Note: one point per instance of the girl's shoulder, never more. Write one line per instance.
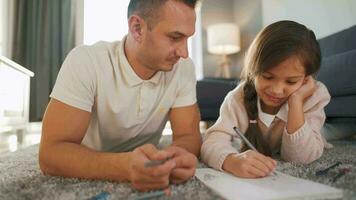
(321, 91)
(321, 87)
(321, 97)
(237, 94)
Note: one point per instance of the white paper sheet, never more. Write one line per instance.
(281, 186)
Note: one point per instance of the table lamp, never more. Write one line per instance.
(223, 39)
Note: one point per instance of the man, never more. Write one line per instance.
(111, 102)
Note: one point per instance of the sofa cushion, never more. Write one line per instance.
(338, 73)
(338, 128)
(339, 42)
(341, 107)
(210, 95)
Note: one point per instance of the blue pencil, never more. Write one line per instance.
(101, 196)
(149, 195)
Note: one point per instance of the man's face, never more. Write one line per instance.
(166, 43)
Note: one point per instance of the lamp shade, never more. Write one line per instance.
(223, 38)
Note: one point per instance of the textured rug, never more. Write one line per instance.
(21, 178)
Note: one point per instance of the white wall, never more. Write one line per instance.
(244, 13)
(212, 12)
(248, 16)
(324, 17)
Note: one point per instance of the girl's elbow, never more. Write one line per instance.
(304, 158)
(307, 159)
(314, 156)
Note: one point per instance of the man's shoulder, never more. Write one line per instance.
(100, 47)
(105, 45)
(95, 55)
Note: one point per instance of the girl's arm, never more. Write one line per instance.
(296, 102)
(217, 143)
(217, 150)
(302, 141)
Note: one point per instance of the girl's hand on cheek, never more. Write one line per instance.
(306, 90)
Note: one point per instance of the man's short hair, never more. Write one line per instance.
(148, 9)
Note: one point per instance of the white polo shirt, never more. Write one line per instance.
(126, 111)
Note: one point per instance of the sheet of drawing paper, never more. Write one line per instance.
(280, 186)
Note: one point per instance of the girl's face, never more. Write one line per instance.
(275, 85)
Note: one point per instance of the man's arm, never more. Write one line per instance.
(185, 128)
(186, 142)
(62, 154)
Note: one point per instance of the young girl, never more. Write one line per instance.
(278, 105)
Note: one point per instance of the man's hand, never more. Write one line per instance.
(186, 164)
(149, 178)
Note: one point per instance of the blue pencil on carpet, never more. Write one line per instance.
(154, 194)
(102, 196)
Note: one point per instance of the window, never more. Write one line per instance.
(105, 20)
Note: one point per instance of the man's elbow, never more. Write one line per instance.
(199, 144)
(43, 160)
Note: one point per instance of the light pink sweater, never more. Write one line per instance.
(303, 146)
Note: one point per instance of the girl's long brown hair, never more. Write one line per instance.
(274, 44)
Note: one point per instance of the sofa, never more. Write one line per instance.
(210, 95)
(337, 72)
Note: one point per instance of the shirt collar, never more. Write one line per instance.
(267, 119)
(128, 73)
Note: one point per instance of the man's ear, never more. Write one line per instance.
(136, 27)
